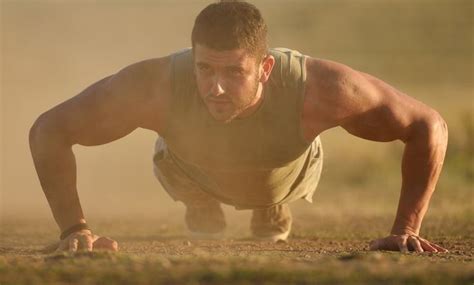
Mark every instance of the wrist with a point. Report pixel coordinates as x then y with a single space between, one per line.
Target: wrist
406 225
404 231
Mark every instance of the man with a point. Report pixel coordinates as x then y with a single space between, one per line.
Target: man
238 123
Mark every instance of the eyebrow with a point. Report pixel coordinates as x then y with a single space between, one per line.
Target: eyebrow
232 66
202 63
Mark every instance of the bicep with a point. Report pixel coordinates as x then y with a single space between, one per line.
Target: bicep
365 106
385 114
96 116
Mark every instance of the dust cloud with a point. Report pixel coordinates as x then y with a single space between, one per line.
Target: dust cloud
51 50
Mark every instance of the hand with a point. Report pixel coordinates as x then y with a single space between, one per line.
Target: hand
85 240
404 243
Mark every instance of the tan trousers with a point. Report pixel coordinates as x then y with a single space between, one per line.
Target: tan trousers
182 188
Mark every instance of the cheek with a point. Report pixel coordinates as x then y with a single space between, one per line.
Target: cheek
243 84
204 85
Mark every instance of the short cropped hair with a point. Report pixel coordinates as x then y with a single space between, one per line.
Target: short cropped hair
227 25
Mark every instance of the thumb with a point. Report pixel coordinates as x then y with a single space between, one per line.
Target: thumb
106 243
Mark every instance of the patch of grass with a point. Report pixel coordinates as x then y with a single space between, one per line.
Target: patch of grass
358 268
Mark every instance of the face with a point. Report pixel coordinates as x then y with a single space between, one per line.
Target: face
229 82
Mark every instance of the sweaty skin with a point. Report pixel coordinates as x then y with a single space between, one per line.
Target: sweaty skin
230 84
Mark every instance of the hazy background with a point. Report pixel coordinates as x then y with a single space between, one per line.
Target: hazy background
52 50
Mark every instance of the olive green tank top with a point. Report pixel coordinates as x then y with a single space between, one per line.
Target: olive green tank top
258 161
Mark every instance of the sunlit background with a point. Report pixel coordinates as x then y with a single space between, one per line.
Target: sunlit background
52 50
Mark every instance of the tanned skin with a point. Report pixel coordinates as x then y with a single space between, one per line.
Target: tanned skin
335 95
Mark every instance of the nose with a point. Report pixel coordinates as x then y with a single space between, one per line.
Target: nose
217 88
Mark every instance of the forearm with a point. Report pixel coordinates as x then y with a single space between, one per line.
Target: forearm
56 168
421 165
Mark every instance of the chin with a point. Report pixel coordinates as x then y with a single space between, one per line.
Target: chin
223 118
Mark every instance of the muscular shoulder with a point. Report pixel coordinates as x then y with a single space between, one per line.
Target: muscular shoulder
331 93
146 77
147 83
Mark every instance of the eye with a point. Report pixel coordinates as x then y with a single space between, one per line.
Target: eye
235 71
202 67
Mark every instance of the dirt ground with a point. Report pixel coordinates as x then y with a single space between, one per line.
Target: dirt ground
323 249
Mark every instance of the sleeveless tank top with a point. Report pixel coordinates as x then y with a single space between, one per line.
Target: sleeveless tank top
254 162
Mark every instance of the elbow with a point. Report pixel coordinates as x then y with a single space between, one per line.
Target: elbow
45 130
438 129
431 129
37 129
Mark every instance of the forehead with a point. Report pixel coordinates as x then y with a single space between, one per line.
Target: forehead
241 57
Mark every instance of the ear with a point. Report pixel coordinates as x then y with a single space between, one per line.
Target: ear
266 68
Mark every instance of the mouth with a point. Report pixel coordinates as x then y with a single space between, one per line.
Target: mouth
218 102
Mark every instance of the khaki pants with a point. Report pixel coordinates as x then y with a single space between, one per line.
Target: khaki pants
182 188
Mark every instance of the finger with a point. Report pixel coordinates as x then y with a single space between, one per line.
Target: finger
427 246
402 245
439 248
80 242
85 243
73 243
415 243
89 244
